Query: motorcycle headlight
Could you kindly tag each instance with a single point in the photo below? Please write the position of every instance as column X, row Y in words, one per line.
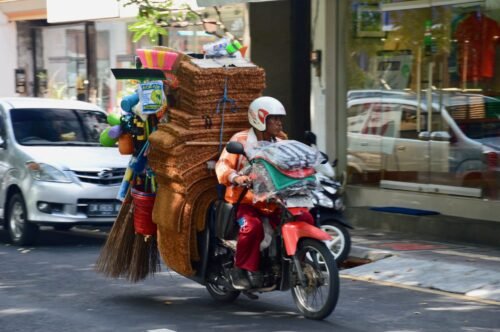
column 45, row 172
column 323, row 200
column 339, row 204
column 330, row 190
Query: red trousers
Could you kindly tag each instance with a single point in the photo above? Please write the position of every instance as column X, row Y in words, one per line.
column 252, row 233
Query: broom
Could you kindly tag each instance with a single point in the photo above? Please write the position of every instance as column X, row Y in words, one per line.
column 116, row 255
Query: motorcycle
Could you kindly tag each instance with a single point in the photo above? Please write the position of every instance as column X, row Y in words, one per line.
column 329, row 206
column 294, row 258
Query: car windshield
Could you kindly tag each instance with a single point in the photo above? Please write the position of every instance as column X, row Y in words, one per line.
column 486, row 131
column 57, row 126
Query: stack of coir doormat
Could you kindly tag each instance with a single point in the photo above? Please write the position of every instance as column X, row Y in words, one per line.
column 184, row 151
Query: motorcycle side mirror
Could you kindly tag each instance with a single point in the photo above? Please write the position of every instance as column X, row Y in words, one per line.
column 236, row 148
column 325, row 157
column 310, row 137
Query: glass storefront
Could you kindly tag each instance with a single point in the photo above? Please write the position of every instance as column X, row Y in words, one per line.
column 424, row 96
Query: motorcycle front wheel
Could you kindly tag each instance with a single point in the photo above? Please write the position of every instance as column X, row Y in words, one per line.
column 317, row 298
column 340, row 244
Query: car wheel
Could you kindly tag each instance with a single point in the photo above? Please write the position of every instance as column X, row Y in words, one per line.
column 20, row 230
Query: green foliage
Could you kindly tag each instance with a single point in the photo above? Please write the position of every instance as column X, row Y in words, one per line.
column 155, row 16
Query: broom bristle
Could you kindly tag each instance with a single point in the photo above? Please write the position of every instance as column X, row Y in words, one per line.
column 115, row 257
column 145, row 258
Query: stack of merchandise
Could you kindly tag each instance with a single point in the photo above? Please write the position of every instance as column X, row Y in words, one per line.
column 202, row 88
column 211, row 106
column 131, row 248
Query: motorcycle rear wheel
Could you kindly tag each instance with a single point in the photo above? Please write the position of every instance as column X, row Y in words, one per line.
column 221, row 293
column 318, row 298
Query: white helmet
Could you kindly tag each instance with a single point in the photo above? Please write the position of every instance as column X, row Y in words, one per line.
column 260, row 108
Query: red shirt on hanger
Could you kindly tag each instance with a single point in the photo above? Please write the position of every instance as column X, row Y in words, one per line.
column 477, row 36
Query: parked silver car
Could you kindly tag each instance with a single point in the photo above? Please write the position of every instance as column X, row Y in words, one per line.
column 53, row 170
column 457, row 145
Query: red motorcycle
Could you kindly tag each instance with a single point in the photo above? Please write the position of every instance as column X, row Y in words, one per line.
column 295, row 258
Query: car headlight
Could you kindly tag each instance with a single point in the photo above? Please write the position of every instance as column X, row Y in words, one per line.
column 45, row 172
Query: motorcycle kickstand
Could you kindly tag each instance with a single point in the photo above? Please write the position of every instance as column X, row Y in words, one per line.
column 250, row 295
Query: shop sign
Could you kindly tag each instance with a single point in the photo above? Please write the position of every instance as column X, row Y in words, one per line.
column 59, row 11
column 20, row 79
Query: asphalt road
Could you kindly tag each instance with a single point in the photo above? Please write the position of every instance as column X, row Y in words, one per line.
column 53, row 287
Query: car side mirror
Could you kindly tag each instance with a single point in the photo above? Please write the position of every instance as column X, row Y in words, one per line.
column 310, row 138
column 440, row 136
column 236, row 148
column 424, row 136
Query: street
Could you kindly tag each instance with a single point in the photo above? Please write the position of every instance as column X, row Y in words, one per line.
column 52, row 287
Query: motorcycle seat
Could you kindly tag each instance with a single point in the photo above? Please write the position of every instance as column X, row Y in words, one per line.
column 225, row 220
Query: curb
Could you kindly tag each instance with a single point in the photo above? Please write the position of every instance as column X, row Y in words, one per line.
column 365, row 253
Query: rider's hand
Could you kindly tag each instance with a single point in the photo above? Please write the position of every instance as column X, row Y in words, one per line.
column 242, row 180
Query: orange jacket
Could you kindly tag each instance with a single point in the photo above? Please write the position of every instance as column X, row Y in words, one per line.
column 229, row 165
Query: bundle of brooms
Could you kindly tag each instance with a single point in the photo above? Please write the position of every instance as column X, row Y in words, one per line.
column 127, row 254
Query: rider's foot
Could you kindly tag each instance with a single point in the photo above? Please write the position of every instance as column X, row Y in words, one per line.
column 239, row 279
column 256, row 278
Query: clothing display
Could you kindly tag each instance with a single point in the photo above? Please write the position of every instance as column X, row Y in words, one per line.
column 477, row 37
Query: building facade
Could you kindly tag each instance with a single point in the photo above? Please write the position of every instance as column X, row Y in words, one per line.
column 405, row 94
column 407, row 99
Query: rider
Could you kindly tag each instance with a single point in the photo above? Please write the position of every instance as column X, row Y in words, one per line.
column 266, row 115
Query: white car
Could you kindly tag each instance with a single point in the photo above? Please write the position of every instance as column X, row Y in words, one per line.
column 386, row 138
column 53, row 170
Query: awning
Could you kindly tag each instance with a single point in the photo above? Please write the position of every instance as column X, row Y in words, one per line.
column 23, row 10
column 210, row 3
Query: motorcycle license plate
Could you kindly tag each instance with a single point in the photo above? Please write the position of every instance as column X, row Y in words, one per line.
column 299, row 201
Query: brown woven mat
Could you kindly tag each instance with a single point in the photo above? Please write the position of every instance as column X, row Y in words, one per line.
column 196, row 122
column 196, row 77
column 178, row 246
column 211, row 91
column 240, row 106
column 171, row 135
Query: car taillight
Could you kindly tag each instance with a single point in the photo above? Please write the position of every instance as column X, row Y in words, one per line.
column 492, row 159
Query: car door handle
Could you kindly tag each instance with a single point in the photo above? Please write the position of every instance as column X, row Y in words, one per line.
column 401, row 147
column 363, row 143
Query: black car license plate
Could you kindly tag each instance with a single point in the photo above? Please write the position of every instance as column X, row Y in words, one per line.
column 102, row 209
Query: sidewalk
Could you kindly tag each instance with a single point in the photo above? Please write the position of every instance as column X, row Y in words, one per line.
column 404, row 259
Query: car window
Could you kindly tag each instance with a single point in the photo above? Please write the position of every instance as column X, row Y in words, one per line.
column 382, row 119
column 356, row 117
column 2, row 129
column 57, row 126
column 408, row 127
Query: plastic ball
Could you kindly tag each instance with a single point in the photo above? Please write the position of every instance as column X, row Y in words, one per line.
column 105, row 140
column 113, row 119
column 114, row 132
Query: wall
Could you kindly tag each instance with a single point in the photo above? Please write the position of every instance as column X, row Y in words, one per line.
column 318, row 82
column 271, row 42
column 8, row 57
column 280, row 32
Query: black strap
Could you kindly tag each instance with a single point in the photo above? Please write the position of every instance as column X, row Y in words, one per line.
column 237, row 204
column 243, row 193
